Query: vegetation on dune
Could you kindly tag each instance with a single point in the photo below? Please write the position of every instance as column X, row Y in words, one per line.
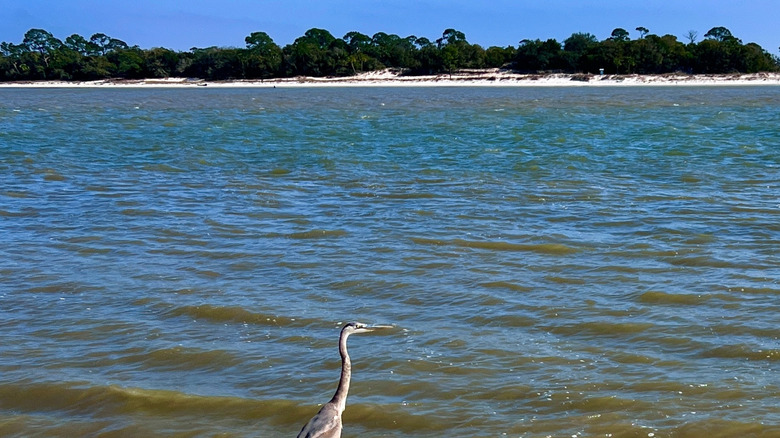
column 41, row 56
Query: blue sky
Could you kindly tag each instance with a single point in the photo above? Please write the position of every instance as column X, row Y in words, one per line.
column 181, row 25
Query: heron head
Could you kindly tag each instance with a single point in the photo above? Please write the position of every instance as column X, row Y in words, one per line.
column 359, row 327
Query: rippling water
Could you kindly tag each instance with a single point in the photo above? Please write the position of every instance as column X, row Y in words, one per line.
column 557, row 262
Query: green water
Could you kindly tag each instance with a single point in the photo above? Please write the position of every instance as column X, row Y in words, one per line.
column 557, row 262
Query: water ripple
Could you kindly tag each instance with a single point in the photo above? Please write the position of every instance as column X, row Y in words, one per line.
column 581, row 263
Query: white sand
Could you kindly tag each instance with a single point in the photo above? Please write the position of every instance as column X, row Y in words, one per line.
column 387, row 78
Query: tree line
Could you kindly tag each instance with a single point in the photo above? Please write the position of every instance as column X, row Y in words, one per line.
column 41, row 56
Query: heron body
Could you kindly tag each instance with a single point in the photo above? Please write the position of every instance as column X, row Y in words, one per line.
column 327, row 422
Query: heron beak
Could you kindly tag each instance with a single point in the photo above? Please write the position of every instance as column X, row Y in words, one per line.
column 371, row 328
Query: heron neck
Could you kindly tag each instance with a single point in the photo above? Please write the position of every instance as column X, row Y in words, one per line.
column 340, row 398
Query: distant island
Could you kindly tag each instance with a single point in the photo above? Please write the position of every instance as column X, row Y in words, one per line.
column 319, row 57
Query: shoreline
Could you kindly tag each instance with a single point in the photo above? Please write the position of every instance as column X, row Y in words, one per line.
column 388, row 78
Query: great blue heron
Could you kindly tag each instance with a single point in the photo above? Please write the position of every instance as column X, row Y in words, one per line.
column 327, row 422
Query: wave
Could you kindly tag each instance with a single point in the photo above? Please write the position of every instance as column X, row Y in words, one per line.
column 656, row 297
column 316, row 234
column 601, row 328
column 118, row 408
column 176, row 358
column 742, row 351
column 542, row 248
column 99, row 401
column 506, row 285
column 223, row 314
column 26, row 212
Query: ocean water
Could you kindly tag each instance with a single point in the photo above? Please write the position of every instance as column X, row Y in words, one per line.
column 556, row 261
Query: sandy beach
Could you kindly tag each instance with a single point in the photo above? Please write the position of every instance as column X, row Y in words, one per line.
column 388, row 78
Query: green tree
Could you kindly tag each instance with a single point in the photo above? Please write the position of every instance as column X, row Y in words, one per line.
column 457, row 53
column 715, row 56
column 105, row 44
column 539, row 56
column 755, row 59
column 82, row 60
column 263, row 57
column 318, row 53
column 338, row 58
column 321, row 37
column 451, row 36
column 359, row 48
column 81, row 45
column 646, row 56
column 5, row 67
column 676, row 56
column 65, row 64
column 422, row 42
column 575, row 49
column 427, row 57
column 94, row 67
column 42, row 44
column 719, row 33
column 214, row 63
column 160, row 63
column 619, row 34
column 12, row 54
column 129, row 63
column 310, row 54
column 393, row 51
column 450, row 58
column 357, row 42
column 609, row 55
column 498, row 57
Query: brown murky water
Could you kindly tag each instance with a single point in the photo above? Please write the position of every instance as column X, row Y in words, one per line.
column 557, row 262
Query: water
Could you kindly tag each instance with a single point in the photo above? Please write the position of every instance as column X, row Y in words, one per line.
column 557, row 262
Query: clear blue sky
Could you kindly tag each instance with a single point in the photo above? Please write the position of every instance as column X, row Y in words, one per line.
column 181, row 25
